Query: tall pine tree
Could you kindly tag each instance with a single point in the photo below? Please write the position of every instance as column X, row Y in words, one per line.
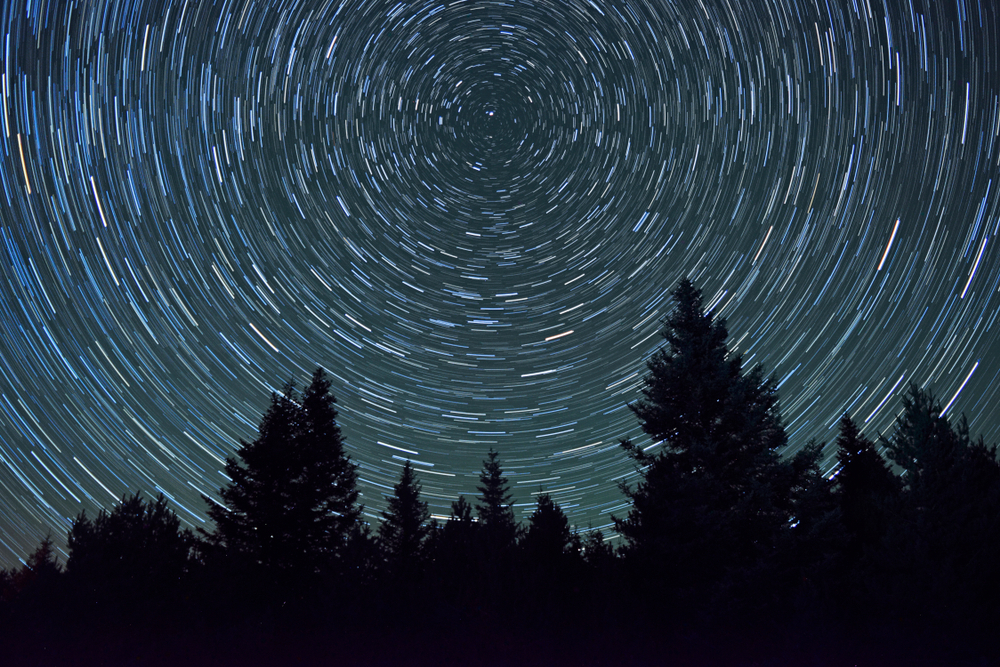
column 941, row 549
column 496, row 537
column 865, row 485
column 404, row 527
column 291, row 503
column 713, row 499
column 495, row 507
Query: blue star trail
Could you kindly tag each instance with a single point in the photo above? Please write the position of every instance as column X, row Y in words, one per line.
column 472, row 214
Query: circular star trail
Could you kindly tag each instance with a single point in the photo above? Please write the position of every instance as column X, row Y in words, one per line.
column 472, row 214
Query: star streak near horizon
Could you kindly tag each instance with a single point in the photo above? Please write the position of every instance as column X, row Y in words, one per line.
column 472, row 215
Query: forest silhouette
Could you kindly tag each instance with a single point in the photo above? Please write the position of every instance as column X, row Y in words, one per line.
column 729, row 553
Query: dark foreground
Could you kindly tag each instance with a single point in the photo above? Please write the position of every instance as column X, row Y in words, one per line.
column 443, row 637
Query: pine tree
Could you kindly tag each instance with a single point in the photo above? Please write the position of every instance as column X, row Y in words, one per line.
column 42, row 569
column 548, row 538
column 495, row 538
column 136, row 552
column 941, row 548
column 715, row 496
column 551, row 572
column 37, row 587
column 330, row 483
column 454, row 556
column 404, row 526
column 865, row 484
column 461, row 515
column 290, row 506
column 596, row 551
column 923, row 442
column 495, row 506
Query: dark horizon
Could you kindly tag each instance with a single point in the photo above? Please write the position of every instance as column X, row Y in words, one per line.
column 476, row 237
column 729, row 552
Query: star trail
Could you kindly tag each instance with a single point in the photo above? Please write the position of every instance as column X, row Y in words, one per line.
column 472, row 213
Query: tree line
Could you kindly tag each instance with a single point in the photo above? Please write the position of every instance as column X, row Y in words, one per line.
column 726, row 545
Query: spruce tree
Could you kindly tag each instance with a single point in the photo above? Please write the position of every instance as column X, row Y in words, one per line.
column 290, row 506
column 551, row 571
column 330, row 482
column 136, row 552
column 42, row 570
column 865, row 485
column 454, row 555
column 37, row 589
column 404, row 526
column 495, row 505
column 548, row 538
column 496, row 535
column 714, row 497
column 942, row 546
column 923, row 442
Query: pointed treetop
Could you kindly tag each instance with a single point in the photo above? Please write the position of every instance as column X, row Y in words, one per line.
column 548, row 534
column 862, row 468
column 404, row 522
column 496, row 504
column 291, row 503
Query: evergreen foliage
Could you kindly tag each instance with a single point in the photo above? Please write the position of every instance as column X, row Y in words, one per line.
column 495, row 506
column 36, row 590
column 548, row 537
column 291, row 503
column 41, row 572
column 942, row 539
column 136, row 552
column 865, row 485
column 866, row 563
column 453, row 552
column 404, row 526
column 596, row 551
column 461, row 515
column 714, row 498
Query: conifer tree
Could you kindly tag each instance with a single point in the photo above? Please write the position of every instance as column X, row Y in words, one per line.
column 923, row 442
column 865, row 484
column 454, row 556
column 495, row 537
column 714, row 497
column 548, row 538
column 943, row 544
column 551, row 570
column 135, row 552
column 404, row 526
column 461, row 515
column 290, row 506
column 596, row 551
column 37, row 588
column 42, row 569
column 495, row 506
column 330, row 483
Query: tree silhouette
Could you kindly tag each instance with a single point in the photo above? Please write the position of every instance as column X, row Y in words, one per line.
column 36, row 590
column 404, row 527
column 548, row 539
column 452, row 548
column 330, row 491
column 136, row 552
column 941, row 548
column 596, row 551
column 552, row 565
column 714, row 498
column 461, row 524
column 865, row 484
column 290, row 506
column 495, row 506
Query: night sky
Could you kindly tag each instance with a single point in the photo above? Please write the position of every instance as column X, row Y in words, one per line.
column 472, row 214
